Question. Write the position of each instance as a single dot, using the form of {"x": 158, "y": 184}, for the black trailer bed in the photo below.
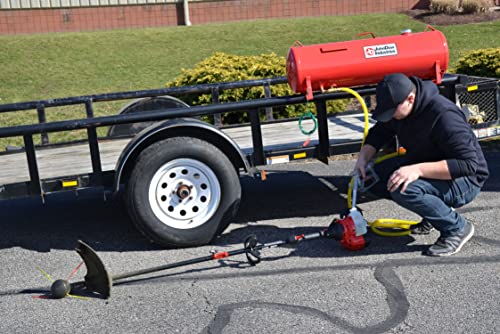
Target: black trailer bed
{"x": 57, "y": 161}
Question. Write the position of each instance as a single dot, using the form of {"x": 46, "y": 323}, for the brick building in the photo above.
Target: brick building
{"x": 41, "y": 16}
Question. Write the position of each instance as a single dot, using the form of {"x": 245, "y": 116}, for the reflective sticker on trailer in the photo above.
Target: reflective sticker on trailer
{"x": 70, "y": 183}
{"x": 281, "y": 159}
{"x": 381, "y": 50}
{"x": 300, "y": 155}
{"x": 487, "y": 132}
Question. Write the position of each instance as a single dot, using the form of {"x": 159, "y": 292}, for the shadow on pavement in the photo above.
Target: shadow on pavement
{"x": 105, "y": 226}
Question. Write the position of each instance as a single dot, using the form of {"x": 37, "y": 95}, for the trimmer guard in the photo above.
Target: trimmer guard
{"x": 97, "y": 278}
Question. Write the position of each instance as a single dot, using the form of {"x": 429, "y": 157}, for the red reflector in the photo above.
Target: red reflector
{"x": 220, "y": 255}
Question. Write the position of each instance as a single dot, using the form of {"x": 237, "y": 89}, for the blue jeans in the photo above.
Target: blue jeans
{"x": 431, "y": 199}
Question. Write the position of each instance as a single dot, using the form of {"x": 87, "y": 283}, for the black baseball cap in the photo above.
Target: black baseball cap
{"x": 391, "y": 92}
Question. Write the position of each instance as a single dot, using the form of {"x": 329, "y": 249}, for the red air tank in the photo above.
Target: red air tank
{"x": 367, "y": 61}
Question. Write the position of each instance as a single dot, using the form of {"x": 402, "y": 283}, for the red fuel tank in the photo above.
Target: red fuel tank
{"x": 366, "y": 61}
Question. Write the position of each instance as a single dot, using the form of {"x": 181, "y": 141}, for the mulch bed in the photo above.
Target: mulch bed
{"x": 440, "y": 19}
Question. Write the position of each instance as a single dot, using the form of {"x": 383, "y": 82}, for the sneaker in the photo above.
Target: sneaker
{"x": 424, "y": 227}
{"x": 451, "y": 244}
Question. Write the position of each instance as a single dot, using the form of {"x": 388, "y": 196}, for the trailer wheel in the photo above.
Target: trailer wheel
{"x": 182, "y": 191}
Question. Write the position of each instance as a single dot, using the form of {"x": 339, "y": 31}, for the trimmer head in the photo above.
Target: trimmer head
{"x": 97, "y": 278}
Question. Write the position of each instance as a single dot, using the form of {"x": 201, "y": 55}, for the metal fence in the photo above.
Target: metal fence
{"x": 481, "y": 96}
{"x": 28, "y": 4}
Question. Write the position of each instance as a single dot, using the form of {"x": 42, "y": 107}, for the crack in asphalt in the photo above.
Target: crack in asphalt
{"x": 188, "y": 292}
{"x": 208, "y": 305}
{"x": 386, "y": 276}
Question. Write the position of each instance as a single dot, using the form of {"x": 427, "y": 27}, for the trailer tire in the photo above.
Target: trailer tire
{"x": 182, "y": 192}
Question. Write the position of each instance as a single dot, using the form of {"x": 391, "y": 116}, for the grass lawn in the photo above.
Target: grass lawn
{"x": 55, "y": 65}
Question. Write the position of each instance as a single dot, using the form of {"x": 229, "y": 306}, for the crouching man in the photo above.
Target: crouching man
{"x": 444, "y": 167}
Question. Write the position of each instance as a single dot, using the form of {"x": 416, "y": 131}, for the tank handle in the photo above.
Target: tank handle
{"x": 364, "y": 34}
{"x": 297, "y": 43}
{"x": 429, "y": 27}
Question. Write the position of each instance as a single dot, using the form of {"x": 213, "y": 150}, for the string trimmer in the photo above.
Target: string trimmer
{"x": 99, "y": 281}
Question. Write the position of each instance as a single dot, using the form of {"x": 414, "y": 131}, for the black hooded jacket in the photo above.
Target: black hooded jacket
{"x": 435, "y": 130}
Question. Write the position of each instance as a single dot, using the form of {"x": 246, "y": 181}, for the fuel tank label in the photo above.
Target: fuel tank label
{"x": 381, "y": 50}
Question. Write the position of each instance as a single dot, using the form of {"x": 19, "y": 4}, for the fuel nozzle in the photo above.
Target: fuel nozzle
{"x": 371, "y": 178}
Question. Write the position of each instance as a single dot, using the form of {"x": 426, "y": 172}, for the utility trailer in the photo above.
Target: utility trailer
{"x": 180, "y": 175}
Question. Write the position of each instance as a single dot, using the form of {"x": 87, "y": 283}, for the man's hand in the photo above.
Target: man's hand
{"x": 360, "y": 167}
{"x": 407, "y": 174}
{"x": 366, "y": 153}
{"x": 403, "y": 176}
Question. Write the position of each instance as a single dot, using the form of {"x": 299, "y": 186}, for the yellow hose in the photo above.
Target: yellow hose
{"x": 363, "y": 105}
{"x": 401, "y": 151}
{"x": 399, "y": 227}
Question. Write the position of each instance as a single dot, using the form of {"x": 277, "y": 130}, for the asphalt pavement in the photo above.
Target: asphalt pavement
{"x": 315, "y": 287}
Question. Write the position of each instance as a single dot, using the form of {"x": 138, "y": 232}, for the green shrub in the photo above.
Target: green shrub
{"x": 475, "y": 6}
{"x": 460, "y": 6}
{"x": 444, "y": 6}
{"x": 222, "y": 67}
{"x": 482, "y": 62}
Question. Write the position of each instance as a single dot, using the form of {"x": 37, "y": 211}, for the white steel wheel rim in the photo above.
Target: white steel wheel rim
{"x": 184, "y": 193}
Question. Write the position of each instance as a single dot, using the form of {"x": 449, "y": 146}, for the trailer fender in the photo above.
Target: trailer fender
{"x": 140, "y": 105}
{"x": 173, "y": 128}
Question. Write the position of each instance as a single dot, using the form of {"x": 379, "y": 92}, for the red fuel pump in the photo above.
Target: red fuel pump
{"x": 366, "y": 61}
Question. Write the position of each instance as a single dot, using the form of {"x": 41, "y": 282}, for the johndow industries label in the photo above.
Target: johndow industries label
{"x": 382, "y": 50}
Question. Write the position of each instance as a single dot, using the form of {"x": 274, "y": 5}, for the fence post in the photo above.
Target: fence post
{"x": 267, "y": 94}
{"x": 40, "y": 109}
{"x": 215, "y": 99}
{"x": 258, "y": 147}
